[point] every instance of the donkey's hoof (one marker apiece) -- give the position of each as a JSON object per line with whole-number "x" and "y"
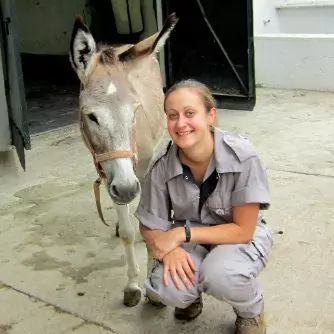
{"x": 132, "y": 297}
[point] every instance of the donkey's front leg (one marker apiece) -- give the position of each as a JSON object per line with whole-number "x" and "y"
{"x": 132, "y": 291}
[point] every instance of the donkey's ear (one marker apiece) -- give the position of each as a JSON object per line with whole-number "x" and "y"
{"x": 82, "y": 47}
{"x": 151, "y": 44}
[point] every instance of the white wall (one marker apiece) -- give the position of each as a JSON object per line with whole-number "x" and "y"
{"x": 295, "y": 49}
{"x": 45, "y": 26}
{"x": 293, "y": 61}
{"x": 307, "y": 20}
{"x": 265, "y": 17}
{"x": 301, "y": 3}
{"x": 293, "y": 16}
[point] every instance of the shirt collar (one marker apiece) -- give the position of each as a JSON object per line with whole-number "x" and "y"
{"x": 224, "y": 159}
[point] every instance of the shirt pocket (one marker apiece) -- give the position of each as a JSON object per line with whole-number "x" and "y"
{"x": 184, "y": 207}
{"x": 220, "y": 208}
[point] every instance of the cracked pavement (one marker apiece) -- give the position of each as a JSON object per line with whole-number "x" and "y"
{"x": 62, "y": 271}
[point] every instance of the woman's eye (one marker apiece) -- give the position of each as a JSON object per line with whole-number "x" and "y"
{"x": 172, "y": 116}
{"x": 190, "y": 113}
{"x": 93, "y": 118}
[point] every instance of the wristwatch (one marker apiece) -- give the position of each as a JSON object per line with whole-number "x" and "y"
{"x": 187, "y": 230}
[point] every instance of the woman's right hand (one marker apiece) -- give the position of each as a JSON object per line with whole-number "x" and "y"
{"x": 179, "y": 264}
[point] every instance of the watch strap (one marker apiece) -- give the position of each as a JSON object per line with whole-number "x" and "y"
{"x": 187, "y": 230}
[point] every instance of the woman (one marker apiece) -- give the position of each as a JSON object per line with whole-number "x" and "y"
{"x": 216, "y": 242}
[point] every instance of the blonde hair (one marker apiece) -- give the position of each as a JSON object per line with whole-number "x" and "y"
{"x": 202, "y": 90}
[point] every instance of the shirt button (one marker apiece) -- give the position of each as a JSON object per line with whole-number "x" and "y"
{"x": 186, "y": 177}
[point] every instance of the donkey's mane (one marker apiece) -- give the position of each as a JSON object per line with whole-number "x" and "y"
{"x": 107, "y": 54}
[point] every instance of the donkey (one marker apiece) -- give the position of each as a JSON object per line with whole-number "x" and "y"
{"x": 122, "y": 121}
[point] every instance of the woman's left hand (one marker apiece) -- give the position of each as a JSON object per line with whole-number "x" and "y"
{"x": 165, "y": 242}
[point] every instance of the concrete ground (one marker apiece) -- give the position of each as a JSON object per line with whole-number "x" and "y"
{"x": 62, "y": 271}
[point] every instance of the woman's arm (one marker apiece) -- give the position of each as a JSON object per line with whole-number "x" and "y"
{"x": 250, "y": 194}
{"x": 148, "y": 234}
{"x": 241, "y": 230}
{"x": 160, "y": 242}
{"x": 177, "y": 262}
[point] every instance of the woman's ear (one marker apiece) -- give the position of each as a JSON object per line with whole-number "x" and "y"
{"x": 212, "y": 116}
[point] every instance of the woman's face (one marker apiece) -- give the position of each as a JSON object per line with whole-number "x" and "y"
{"x": 187, "y": 119}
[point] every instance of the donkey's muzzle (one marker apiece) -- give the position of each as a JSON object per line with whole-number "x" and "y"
{"x": 124, "y": 194}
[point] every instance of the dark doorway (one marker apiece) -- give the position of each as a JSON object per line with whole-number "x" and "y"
{"x": 51, "y": 85}
{"x": 213, "y": 43}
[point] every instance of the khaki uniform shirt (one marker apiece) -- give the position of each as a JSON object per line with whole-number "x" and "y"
{"x": 239, "y": 178}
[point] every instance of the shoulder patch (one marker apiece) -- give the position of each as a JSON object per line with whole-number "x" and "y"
{"x": 240, "y": 145}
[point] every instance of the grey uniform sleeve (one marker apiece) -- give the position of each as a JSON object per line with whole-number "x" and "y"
{"x": 152, "y": 210}
{"x": 251, "y": 185}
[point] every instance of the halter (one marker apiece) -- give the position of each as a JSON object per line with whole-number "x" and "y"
{"x": 100, "y": 157}
{"x": 109, "y": 155}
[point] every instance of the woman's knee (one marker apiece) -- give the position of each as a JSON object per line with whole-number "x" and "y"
{"x": 168, "y": 295}
{"x": 229, "y": 276}
{"x": 222, "y": 281}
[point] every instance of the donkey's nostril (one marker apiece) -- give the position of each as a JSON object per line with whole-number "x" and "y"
{"x": 114, "y": 190}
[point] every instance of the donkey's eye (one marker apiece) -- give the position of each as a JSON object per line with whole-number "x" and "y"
{"x": 93, "y": 118}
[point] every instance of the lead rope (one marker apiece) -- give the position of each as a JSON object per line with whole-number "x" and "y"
{"x": 97, "y": 196}
{"x": 98, "y": 181}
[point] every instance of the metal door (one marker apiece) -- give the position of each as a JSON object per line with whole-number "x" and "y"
{"x": 13, "y": 76}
